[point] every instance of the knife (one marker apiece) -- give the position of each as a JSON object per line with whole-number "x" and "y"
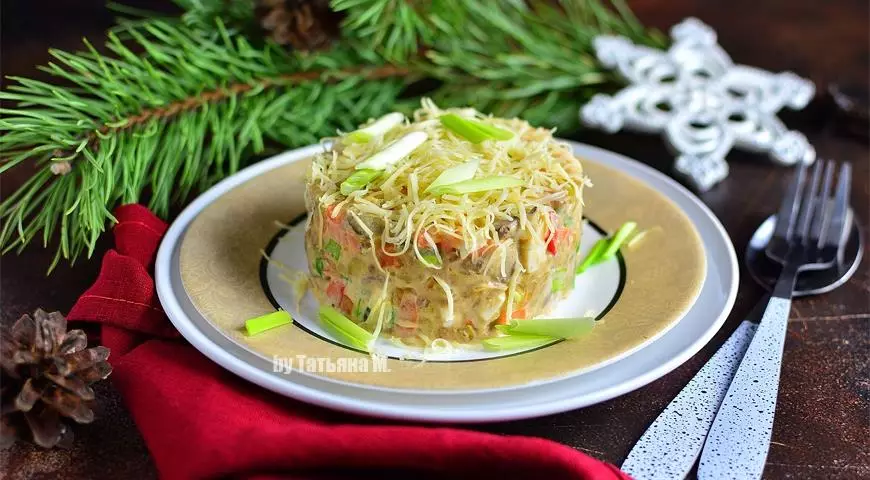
{"x": 670, "y": 446}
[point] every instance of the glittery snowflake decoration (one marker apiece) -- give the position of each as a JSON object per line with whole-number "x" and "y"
{"x": 701, "y": 102}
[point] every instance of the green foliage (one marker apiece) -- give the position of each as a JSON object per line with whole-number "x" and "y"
{"x": 173, "y": 105}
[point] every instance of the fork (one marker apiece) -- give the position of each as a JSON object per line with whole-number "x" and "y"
{"x": 808, "y": 232}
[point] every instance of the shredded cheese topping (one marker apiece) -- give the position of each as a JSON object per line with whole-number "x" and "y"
{"x": 398, "y": 200}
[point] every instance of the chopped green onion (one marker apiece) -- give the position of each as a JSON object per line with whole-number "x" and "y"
{"x": 452, "y": 175}
{"x": 379, "y": 127}
{"x": 618, "y": 239}
{"x": 333, "y": 249}
{"x": 358, "y": 180}
{"x": 479, "y": 185}
{"x": 394, "y": 152}
{"x": 552, "y": 327}
{"x": 269, "y": 321}
{"x": 493, "y": 131}
{"x": 430, "y": 258}
{"x": 473, "y": 130}
{"x": 318, "y": 266}
{"x": 463, "y": 127}
{"x": 505, "y": 329}
{"x": 513, "y": 342}
{"x": 359, "y": 136}
{"x": 593, "y": 256}
{"x": 558, "y": 285}
{"x": 345, "y": 329}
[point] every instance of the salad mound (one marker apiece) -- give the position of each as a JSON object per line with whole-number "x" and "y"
{"x": 444, "y": 225}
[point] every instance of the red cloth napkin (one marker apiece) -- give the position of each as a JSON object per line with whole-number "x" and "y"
{"x": 200, "y": 421}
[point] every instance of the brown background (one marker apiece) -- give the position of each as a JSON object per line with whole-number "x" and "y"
{"x": 823, "y": 415}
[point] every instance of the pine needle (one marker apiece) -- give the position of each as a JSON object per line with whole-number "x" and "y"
{"x": 174, "y": 105}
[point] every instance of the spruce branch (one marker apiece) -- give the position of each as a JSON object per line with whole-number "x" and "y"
{"x": 177, "y": 104}
{"x": 178, "y": 117}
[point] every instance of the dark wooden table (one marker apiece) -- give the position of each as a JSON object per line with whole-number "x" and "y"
{"x": 823, "y": 415}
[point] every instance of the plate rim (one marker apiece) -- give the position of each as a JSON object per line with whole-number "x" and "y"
{"x": 166, "y": 291}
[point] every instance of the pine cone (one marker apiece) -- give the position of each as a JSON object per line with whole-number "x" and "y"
{"x": 46, "y": 373}
{"x": 302, "y": 24}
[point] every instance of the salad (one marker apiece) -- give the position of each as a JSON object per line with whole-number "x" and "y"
{"x": 444, "y": 225}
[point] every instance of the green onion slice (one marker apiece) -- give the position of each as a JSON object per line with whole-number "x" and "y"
{"x": 513, "y": 342}
{"x": 358, "y": 180}
{"x": 394, "y": 152}
{"x": 269, "y": 321}
{"x": 345, "y": 329}
{"x": 464, "y": 128}
{"x": 593, "y": 256}
{"x": 318, "y": 266}
{"x": 479, "y": 185}
{"x": 473, "y": 130}
{"x": 493, "y": 131}
{"x": 618, "y": 239}
{"x": 430, "y": 258}
{"x": 453, "y": 175}
{"x": 379, "y": 127}
{"x": 551, "y": 327}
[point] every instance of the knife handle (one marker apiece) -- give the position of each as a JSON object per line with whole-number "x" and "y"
{"x": 669, "y": 447}
{"x": 739, "y": 440}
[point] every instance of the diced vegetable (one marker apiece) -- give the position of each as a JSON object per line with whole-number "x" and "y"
{"x": 479, "y": 185}
{"x": 358, "y": 180}
{"x": 376, "y": 129}
{"x": 512, "y": 342}
{"x": 618, "y": 239}
{"x": 269, "y": 321}
{"x": 552, "y": 327}
{"x": 430, "y": 258}
{"x": 346, "y": 304}
{"x": 519, "y": 312}
{"x": 473, "y": 130}
{"x": 452, "y": 175}
{"x": 559, "y": 236}
{"x": 408, "y": 310}
{"x": 318, "y": 266}
{"x": 345, "y": 329}
{"x": 561, "y": 281}
{"x": 333, "y": 249}
{"x": 593, "y": 256}
{"x": 394, "y": 152}
{"x": 388, "y": 260}
{"x": 335, "y": 290}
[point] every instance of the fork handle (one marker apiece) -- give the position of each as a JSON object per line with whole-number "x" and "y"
{"x": 739, "y": 440}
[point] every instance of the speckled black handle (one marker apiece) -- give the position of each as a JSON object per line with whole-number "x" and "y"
{"x": 670, "y": 446}
{"x": 739, "y": 440}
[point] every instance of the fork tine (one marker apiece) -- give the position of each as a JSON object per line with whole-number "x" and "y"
{"x": 841, "y": 207}
{"x": 787, "y": 214}
{"x": 821, "y": 219}
{"x": 809, "y": 204}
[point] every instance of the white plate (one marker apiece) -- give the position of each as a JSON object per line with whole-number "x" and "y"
{"x": 621, "y": 376}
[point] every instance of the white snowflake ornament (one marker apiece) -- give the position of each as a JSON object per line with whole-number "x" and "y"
{"x": 700, "y": 101}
